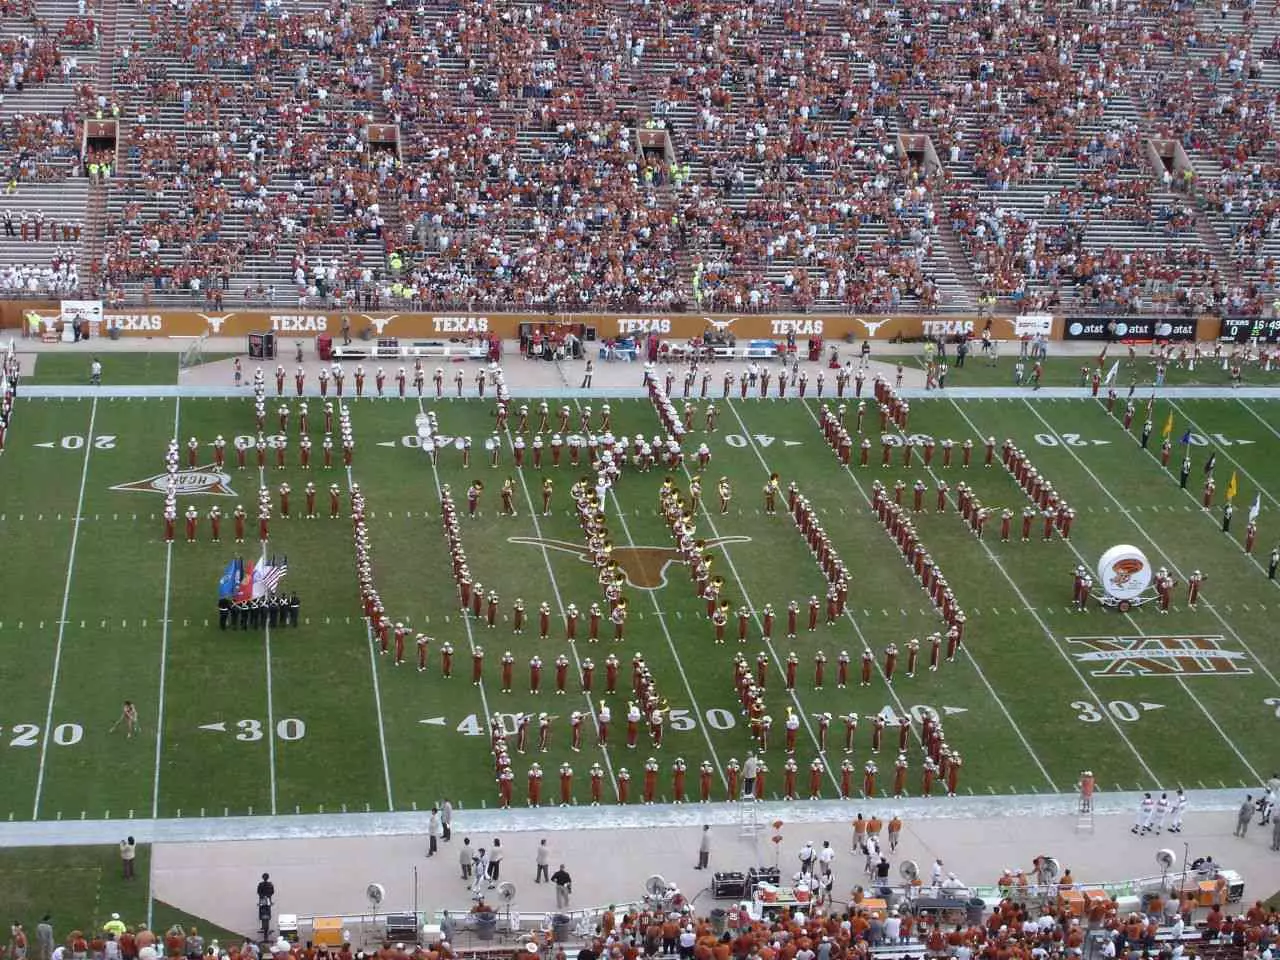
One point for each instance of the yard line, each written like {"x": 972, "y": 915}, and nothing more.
{"x": 1257, "y": 416}
{"x": 377, "y": 700}
{"x": 1137, "y": 628}
{"x": 751, "y": 442}
{"x": 662, "y": 622}
{"x": 466, "y": 620}
{"x": 671, "y": 644}
{"x": 1196, "y": 427}
{"x": 973, "y": 661}
{"x": 164, "y": 645}
{"x": 1053, "y": 640}
{"x": 1198, "y": 508}
{"x": 62, "y": 619}
{"x": 1173, "y": 566}
{"x": 377, "y": 685}
{"x": 555, "y": 589}
{"x": 271, "y": 707}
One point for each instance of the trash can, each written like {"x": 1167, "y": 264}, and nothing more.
{"x": 324, "y": 347}
{"x": 974, "y": 911}
{"x": 561, "y": 927}
{"x": 719, "y": 920}
{"x": 486, "y": 925}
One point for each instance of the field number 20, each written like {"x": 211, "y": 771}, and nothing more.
{"x": 1122, "y": 710}
{"x": 28, "y": 734}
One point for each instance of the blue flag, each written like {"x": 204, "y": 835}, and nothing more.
{"x": 1186, "y": 438}
{"x": 229, "y": 580}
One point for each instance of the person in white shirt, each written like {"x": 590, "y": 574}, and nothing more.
{"x": 826, "y": 857}
{"x": 935, "y": 875}
{"x": 1179, "y": 804}
{"x": 893, "y": 927}
{"x": 1146, "y": 810}
{"x": 807, "y": 856}
{"x": 1161, "y": 813}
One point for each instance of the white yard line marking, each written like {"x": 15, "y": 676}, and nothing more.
{"x": 62, "y": 619}
{"x": 466, "y": 620}
{"x": 1226, "y": 626}
{"x": 973, "y": 661}
{"x": 1219, "y": 448}
{"x": 560, "y": 605}
{"x": 1181, "y": 682}
{"x": 671, "y": 645}
{"x": 1049, "y": 635}
{"x": 1073, "y": 546}
{"x": 377, "y": 690}
{"x": 164, "y": 649}
{"x": 271, "y": 705}
{"x": 751, "y": 442}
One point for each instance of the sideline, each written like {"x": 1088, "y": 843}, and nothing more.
{"x": 331, "y": 825}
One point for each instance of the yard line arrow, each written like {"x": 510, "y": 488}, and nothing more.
{"x": 47, "y": 446}
{"x": 220, "y": 726}
{"x": 386, "y": 443}
{"x": 1238, "y": 442}
{"x": 792, "y": 443}
{"x": 1151, "y": 706}
{"x": 1099, "y": 443}
{"x": 948, "y": 711}
{"x": 434, "y": 721}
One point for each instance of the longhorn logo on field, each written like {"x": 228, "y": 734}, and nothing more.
{"x": 872, "y": 326}
{"x": 644, "y": 567}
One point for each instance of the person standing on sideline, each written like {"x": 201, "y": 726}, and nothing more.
{"x": 495, "y": 861}
{"x": 704, "y": 848}
{"x": 1244, "y": 816}
{"x": 95, "y": 372}
{"x": 446, "y": 820}
{"x": 1275, "y": 838}
{"x": 465, "y": 854}
{"x": 807, "y": 857}
{"x": 543, "y": 861}
{"x": 128, "y": 851}
{"x": 433, "y": 832}
{"x": 750, "y": 768}
{"x": 826, "y": 857}
{"x": 564, "y": 887}
{"x": 1179, "y": 805}
{"x": 586, "y": 375}
{"x": 44, "y": 936}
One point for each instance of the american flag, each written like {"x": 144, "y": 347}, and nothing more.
{"x": 271, "y": 573}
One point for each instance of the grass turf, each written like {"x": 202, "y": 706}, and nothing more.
{"x": 314, "y": 720}
{"x": 122, "y": 369}
{"x": 80, "y": 887}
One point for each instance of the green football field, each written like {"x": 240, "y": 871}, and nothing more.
{"x": 96, "y": 608}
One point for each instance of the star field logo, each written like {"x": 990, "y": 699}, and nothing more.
{"x": 1158, "y": 657}
{"x": 195, "y": 480}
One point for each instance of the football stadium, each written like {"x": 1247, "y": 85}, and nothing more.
{"x": 829, "y": 447}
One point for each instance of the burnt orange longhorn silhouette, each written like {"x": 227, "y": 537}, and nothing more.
{"x": 645, "y": 567}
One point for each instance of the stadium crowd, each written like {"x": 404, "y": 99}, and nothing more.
{"x": 614, "y": 155}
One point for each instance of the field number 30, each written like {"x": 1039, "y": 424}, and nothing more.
{"x": 1122, "y": 710}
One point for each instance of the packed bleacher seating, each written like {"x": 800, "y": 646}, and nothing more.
{"x": 694, "y": 156}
